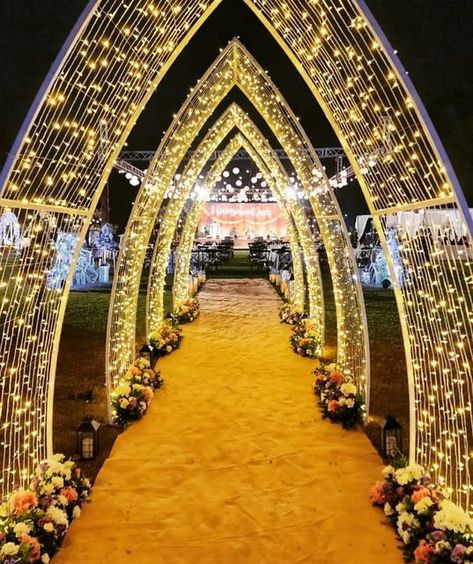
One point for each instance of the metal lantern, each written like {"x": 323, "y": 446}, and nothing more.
{"x": 392, "y": 437}
{"x": 88, "y": 439}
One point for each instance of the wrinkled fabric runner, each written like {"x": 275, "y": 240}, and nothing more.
{"x": 232, "y": 463}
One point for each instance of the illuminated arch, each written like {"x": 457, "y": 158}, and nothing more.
{"x": 232, "y": 118}
{"x": 270, "y": 170}
{"x": 236, "y": 67}
{"x": 111, "y": 64}
{"x": 238, "y": 142}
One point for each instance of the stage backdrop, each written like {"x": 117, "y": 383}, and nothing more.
{"x": 242, "y": 221}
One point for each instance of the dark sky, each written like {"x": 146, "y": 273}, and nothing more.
{"x": 434, "y": 39}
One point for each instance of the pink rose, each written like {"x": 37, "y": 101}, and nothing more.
{"x": 70, "y": 494}
{"x": 23, "y": 501}
{"x": 34, "y": 552}
{"x": 377, "y": 494}
{"x": 333, "y": 405}
{"x": 422, "y": 552}
{"x": 420, "y": 494}
{"x": 337, "y": 377}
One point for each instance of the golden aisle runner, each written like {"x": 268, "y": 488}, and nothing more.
{"x": 232, "y": 463}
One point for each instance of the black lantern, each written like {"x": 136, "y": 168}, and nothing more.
{"x": 87, "y": 438}
{"x": 392, "y": 437}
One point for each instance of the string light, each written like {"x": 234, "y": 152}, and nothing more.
{"x": 52, "y": 181}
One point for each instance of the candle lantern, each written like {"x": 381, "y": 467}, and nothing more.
{"x": 87, "y": 439}
{"x": 392, "y": 437}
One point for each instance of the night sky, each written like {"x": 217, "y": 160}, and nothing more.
{"x": 434, "y": 39}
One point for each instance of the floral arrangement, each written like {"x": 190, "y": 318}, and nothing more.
{"x": 304, "y": 339}
{"x": 340, "y": 400}
{"x": 433, "y": 529}
{"x": 34, "y": 520}
{"x": 188, "y": 311}
{"x": 132, "y": 397}
{"x": 290, "y": 313}
{"x": 167, "y": 336}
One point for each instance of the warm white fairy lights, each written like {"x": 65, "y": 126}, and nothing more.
{"x": 234, "y": 117}
{"x": 270, "y": 169}
{"x": 111, "y": 65}
{"x": 352, "y": 339}
{"x": 184, "y": 251}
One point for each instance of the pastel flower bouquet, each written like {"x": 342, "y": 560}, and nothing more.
{"x": 432, "y": 528}
{"x": 340, "y": 400}
{"x": 34, "y": 520}
{"x": 188, "y": 311}
{"x": 291, "y": 313}
{"x": 304, "y": 339}
{"x": 134, "y": 394}
{"x": 166, "y": 337}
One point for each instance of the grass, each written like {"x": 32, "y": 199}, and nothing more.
{"x": 80, "y": 384}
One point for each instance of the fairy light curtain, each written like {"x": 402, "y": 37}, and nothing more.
{"x": 111, "y": 64}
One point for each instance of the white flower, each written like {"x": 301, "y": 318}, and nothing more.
{"x": 45, "y": 559}
{"x": 350, "y": 403}
{"x": 408, "y": 474}
{"x": 21, "y": 529}
{"x": 388, "y": 471}
{"x": 123, "y": 389}
{"x": 348, "y": 389}
{"x": 76, "y": 512}
{"x": 62, "y": 499}
{"x": 124, "y": 403}
{"x": 400, "y": 507}
{"x": 48, "y": 527}
{"x": 342, "y": 401}
{"x": 168, "y": 348}
{"x": 441, "y": 546}
{"x": 47, "y": 489}
{"x": 9, "y": 549}
{"x": 57, "y": 515}
{"x": 388, "y": 510}
{"x": 452, "y": 517}
{"x": 57, "y": 482}
{"x": 405, "y": 523}
{"x": 422, "y": 506}
{"x": 58, "y": 457}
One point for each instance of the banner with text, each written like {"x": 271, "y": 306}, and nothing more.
{"x": 243, "y": 221}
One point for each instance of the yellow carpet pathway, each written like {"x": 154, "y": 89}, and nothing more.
{"x": 232, "y": 463}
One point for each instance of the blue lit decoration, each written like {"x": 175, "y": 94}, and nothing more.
{"x": 86, "y": 273}
{"x": 105, "y": 245}
{"x": 65, "y": 246}
{"x": 10, "y": 235}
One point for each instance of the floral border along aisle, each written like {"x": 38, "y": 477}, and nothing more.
{"x": 290, "y": 313}
{"x": 340, "y": 400}
{"x": 188, "y": 311}
{"x": 34, "y": 521}
{"x": 304, "y": 339}
{"x": 167, "y": 337}
{"x": 433, "y": 529}
{"x": 132, "y": 397}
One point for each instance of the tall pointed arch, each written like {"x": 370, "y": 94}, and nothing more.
{"x": 236, "y": 67}
{"x": 194, "y": 212}
{"x": 268, "y": 164}
{"x": 111, "y": 64}
{"x": 232, "y": 118}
